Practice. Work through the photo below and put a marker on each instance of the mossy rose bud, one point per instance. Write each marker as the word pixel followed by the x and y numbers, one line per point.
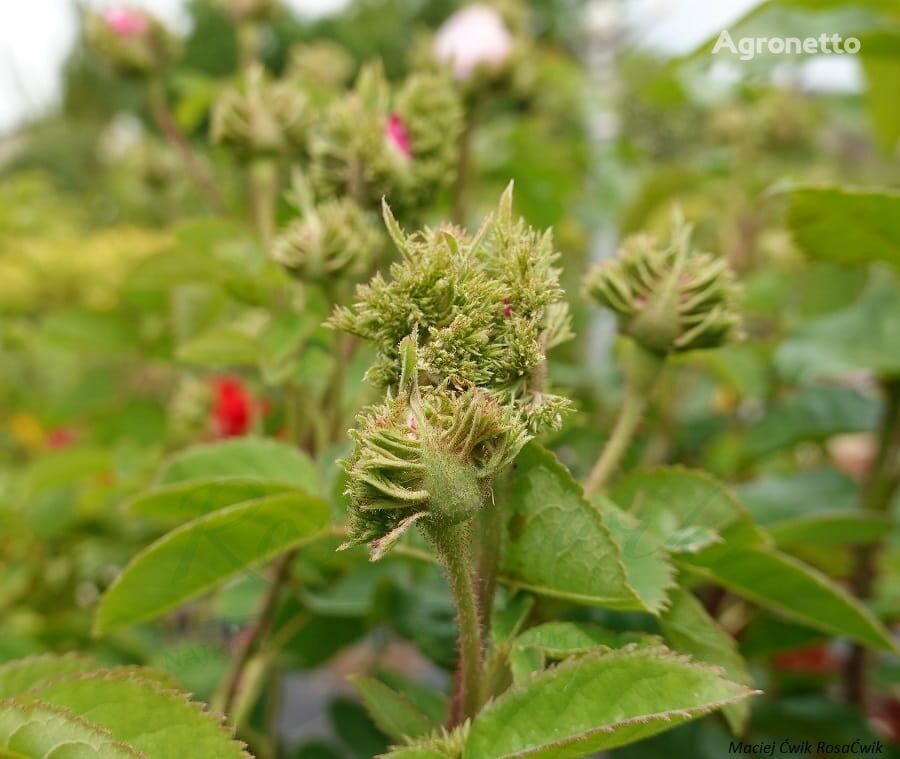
pixel 669 298
pixel 131 40
pixel 260 117
pixel 426 454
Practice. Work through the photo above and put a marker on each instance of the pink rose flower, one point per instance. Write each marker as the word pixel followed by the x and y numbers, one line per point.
pixel 473 36
pixel 398 135
pixel 125 22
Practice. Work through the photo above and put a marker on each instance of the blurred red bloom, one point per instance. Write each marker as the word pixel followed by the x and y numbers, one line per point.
pixel 233 407
pixel 811 660
pixel 60 437
pixel 398 135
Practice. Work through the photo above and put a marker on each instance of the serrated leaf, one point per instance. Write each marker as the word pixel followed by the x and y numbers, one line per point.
pixel 40 731
pixel 557 640
pixel 785 585
pixel 392 712
pixel 688 628
pixel 774 498
pixel 183 501
pixel 22 674
pixel 199 555
pixel 598 702
pixel 557 543
pixel 667 500
pixel 250 457
pixel 160 723
pixel 847 225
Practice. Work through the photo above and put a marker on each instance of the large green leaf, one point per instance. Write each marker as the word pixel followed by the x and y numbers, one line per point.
pixel 394 714
pixel 188 500
pixel 18 676
pixel 847 225
pixel 863 336
pixel 776 497
pixel 557 543
pixel 159 722
pixel 881 64
pixel 688 628
pixel 598 702
pixel 256 458
pixel 791 588
pixel 39 731
pixel 831 528
pixel 199 555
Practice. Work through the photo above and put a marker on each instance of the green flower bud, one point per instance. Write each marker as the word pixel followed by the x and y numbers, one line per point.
pixel 334 239
pixel 249 10
pixel 668 298
pixel 321 67
pixel 260 117
pixel 373 143
pixel 429 453
pixel 131 40
pixel 486 308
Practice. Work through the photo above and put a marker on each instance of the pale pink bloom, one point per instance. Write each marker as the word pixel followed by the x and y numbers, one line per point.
pixel 126 22
pixel 473 36
pixel 398 135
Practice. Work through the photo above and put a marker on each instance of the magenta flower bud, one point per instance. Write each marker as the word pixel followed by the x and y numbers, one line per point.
pixel 126 22
pixel 398 135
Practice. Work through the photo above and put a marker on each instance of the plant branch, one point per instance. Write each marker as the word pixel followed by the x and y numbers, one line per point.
pixel 263 186
pixel 642 370
pixel 881 484
pixel 453 547
pixel 169 127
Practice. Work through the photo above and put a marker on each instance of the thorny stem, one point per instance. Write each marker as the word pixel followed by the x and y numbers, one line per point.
pixel 452 545
pixel 169 127
pixel 263 182
pixel 642 370
pixel 882 483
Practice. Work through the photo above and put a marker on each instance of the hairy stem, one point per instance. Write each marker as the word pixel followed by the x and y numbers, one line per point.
pixel 642 370
pixel 263 198
pixel 169 127
pixel 878 492
pixel 463 169
pixel 453 547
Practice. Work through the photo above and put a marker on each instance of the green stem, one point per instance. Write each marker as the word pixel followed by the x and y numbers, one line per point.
pixel 490 535
pixel 263 198
pixel 642 370
pixel 452 545
pixel 463 168
pixel 878 492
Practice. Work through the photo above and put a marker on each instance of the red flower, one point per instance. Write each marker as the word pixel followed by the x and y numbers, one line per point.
pixel 232 407
pixel 811 660
pixel 398 135
pixel 60 437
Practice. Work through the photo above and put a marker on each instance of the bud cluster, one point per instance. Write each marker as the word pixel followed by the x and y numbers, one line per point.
pixel 131 40
pixel 669 298
pixel 487 307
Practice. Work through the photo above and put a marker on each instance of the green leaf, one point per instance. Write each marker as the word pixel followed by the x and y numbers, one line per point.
pixel 598 702
pixel 220 347
pixel 812 414
pixel 689 629
pixel 199 555
pixel 257 458
pixel 787 586
pixel 557 640
pixel 392 712
pixel 39 731
pixel 851 226
pixel 683 503
pixel 831 528
pixel 557 543
pixel 881 65
pixel 22 674
pixel 863 336
pixel 183 501
pixel 774 498
pixel 159 722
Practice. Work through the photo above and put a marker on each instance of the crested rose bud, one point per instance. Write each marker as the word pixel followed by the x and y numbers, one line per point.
pixel 126 22
pixel 473 37
pixel 398 135
pixel 668 298
pixel 427 454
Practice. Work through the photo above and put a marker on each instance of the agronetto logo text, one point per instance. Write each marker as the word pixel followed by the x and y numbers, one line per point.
pixel 747 48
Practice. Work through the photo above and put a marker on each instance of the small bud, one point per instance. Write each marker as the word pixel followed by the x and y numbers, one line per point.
pixel 131 40
pixel 260 117
pixel 334 239
pixel 668 298
pixel 473 38
pixel 397 135
pixel 427 454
